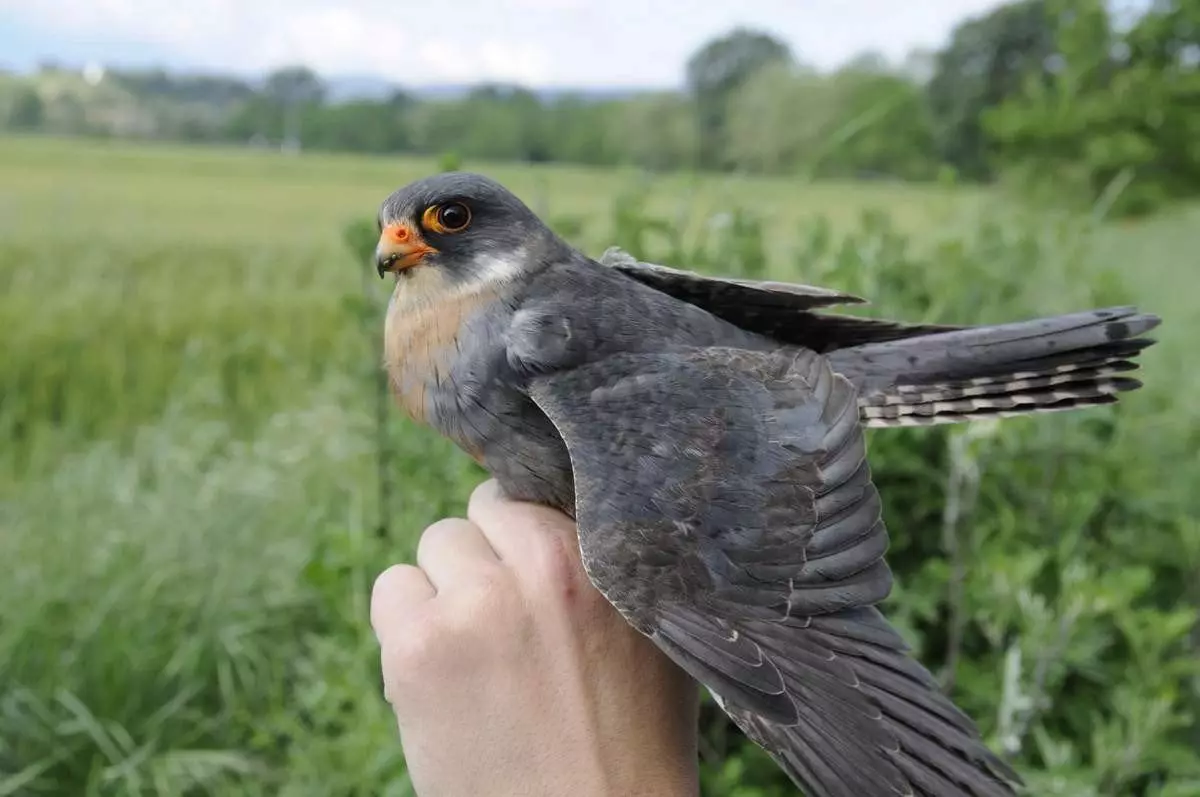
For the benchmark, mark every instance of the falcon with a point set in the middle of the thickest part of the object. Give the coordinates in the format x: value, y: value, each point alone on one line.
x: 706, y: 435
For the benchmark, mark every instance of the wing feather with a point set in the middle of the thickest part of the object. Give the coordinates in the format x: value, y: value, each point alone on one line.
x: 783, y: 311
x: 725, y: 506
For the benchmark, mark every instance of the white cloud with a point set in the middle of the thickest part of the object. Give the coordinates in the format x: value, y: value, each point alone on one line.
x: 565, y: 42
x: 395, y: 40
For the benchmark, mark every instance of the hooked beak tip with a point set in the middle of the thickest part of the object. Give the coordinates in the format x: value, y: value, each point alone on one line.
x: 383, y: 264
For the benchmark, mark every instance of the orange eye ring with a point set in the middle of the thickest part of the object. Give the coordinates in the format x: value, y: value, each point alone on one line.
x: 445, y: 219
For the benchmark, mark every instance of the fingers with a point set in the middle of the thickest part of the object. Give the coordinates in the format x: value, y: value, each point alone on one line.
x: 515, y: 528
x: 397, y: 591
x: 453, y: 551
x: 540, y: 545
x: 536, y: 542
x: 414, y: 610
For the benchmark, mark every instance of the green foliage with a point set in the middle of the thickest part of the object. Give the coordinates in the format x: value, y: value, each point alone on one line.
x: 27, y: 111
x: 492, y: 122
x: 731, y: 241
x: 862, y: 121
x: 719, y: 69
x: 885, y: 129
x: 197, y: 469
x: 449, y: 162
x: 778, y: 120
x: 987, y: 60
x: 1117, y: 124
x: 657, y: 132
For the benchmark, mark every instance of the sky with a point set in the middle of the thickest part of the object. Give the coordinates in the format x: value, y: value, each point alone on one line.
x: 542, y: 43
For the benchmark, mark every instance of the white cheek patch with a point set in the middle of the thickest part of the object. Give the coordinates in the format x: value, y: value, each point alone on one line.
x: 491, y: 269
x: 425, y: 286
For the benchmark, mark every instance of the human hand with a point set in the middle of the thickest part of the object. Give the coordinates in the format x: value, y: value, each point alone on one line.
x: 510, y: 674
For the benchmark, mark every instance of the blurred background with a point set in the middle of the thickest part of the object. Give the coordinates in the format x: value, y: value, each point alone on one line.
x: 200, y: 475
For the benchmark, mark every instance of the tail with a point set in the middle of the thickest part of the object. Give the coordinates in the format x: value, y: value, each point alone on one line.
x: 871, y: 719
x: 1059, y: 363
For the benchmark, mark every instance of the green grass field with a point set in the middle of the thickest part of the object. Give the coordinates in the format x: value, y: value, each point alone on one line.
x: 189, y: 496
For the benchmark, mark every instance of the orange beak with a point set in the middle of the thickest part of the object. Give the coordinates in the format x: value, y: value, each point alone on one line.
x: 400, y: 247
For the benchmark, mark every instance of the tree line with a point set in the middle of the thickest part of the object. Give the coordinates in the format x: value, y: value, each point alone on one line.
x: 1068, y: 94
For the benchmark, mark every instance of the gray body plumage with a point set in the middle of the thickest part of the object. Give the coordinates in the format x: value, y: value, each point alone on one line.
x: 716, y: 467
x: 482, y: 401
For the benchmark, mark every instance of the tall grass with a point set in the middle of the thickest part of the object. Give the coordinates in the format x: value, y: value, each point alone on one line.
x: 190, y: 494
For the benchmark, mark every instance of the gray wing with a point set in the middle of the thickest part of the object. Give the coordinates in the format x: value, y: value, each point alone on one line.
x: 778, y: 310
x: 924, y: 374
x: 726, y: 508
x: 724, y: 289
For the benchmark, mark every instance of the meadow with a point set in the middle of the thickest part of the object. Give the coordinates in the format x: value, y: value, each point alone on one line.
x: 198, y: 486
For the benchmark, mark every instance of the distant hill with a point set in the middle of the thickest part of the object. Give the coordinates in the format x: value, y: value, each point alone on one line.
x: 354, y: 111
x: 371, y: 87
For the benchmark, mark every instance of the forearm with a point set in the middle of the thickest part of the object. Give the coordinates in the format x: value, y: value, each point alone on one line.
x: 585, y: 724
x: 653, y: 753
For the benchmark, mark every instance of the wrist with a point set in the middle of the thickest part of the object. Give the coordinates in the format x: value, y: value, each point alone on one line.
x: 656, y: 756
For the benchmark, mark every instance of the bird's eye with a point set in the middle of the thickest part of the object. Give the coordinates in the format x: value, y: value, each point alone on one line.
x: 452, y: 217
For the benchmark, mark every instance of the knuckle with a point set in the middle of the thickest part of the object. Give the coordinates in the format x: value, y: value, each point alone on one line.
x: 437, y: 532
x: 485, y: 492
x: 393, y: 578
x: 392, y: 593
x: 385, y: 582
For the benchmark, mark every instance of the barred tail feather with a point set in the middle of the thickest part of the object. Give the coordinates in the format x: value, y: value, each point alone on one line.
x: 954, y: 403
x: 1061, y: 363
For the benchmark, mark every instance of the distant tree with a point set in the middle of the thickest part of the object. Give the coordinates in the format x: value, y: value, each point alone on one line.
x: 294, y: 85
x: 883, y: 127
x: 1117, y: 123
x: 27, y: 111
x: 657, y: 131
x: 356, y: 126
x: 290, y: 90
x: 579, y: 130
x: 1167, y: 37
x: 493, y: 121
x: 158, y: 84
x: 987, y: 61
x: 779, y: 119
x: 530, y: 121
x: 717, y: 70
x: 400, y: 100
x: 864, y: 120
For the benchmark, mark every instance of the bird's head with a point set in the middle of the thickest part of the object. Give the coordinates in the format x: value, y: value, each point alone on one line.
x: 457, y: 229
